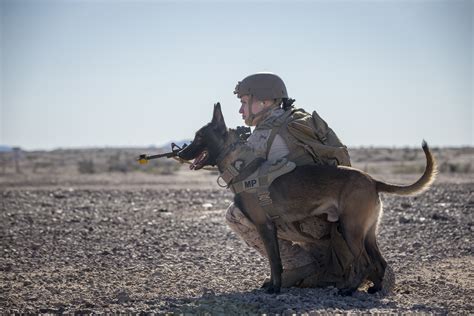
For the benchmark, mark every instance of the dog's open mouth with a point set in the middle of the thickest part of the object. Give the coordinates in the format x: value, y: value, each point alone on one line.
x: 199, y: 161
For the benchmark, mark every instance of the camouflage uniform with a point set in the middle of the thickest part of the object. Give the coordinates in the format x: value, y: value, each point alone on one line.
x: 308, y: 249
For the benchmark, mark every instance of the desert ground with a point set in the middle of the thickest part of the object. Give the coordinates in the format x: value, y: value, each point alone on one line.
x: 91, y: 231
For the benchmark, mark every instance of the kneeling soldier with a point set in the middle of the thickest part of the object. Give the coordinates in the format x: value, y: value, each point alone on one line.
x: 313, y: 251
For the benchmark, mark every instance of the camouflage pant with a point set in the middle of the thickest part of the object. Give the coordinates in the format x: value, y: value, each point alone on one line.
x: 313, y: 242
x: 301, y: 243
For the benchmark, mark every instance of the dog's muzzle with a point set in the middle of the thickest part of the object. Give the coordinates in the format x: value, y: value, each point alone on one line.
x: 199, y: 161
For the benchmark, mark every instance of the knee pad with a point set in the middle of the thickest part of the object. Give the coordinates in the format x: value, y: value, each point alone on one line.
x: 235, y: 217
x: 232, y: 213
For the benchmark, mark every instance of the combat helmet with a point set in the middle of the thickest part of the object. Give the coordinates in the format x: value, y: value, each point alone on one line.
x: 262, y: 86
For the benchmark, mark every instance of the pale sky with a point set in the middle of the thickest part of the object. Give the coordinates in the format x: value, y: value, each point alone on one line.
x: 140, y: 73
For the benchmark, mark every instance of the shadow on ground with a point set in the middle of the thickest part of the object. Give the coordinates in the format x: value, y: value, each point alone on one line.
x: 290, y: 301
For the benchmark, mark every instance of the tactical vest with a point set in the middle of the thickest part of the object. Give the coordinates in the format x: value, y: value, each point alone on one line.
x: 309, y: 140
x: 308, y: 137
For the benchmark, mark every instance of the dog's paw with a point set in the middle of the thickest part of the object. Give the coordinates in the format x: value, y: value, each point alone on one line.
x: 273, y: 290
x: 267, y: 284
x: 373, y: 289
x: 346, y: 292
x: 269, y: 287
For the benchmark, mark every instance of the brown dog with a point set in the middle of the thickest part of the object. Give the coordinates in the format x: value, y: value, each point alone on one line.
x: 343, y: 193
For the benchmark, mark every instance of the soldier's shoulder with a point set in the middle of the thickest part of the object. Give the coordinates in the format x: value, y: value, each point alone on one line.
x: 271, y: 120
x: 298, y: 113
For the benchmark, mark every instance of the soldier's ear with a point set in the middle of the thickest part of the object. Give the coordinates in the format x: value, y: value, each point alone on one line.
x: 218, y: 118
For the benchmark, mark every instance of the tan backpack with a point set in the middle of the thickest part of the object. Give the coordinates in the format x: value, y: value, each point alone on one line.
x: 309, y: 138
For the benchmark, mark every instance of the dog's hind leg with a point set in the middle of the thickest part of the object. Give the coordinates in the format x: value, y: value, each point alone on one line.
x: 378, y: 263
x: 358, y: 268
x: 354, y: 230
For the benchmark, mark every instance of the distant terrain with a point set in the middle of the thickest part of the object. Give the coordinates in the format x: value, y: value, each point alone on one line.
x: 119, y: 165
x: 92, y: 231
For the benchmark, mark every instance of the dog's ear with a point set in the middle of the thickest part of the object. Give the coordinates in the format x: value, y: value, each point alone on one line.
x: 218, y: 118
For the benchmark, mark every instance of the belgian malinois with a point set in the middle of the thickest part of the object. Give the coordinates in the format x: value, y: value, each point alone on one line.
x: 345, y: 194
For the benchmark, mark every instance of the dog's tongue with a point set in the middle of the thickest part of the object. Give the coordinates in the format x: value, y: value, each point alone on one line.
x: 198, y: 161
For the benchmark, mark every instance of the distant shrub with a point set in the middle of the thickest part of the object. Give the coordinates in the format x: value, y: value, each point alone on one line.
x: 410, y: 154
x: 166, y: 170
x: 115, y: 164
x: 119, y: 167
x: 159, y: 166
x: 86, y: 166
x: 371, y: 169
x: 453, y: 167
x: 408, y: 169
x: 37, y: 166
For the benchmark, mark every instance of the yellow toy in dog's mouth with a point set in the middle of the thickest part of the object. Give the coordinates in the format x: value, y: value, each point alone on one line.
x: 199, y: 161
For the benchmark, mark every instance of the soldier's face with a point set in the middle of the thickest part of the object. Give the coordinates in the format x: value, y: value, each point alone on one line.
x: 255, y: 106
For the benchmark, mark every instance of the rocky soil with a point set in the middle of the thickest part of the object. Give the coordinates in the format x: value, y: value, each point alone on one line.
x: 166, y: 248
x: 88, y: 231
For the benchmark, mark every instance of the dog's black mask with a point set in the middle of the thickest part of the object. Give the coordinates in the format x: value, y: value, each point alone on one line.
x: 207, y: 143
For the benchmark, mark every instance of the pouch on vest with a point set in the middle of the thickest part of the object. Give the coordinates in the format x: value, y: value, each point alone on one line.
x: 264, y: 176
x: 318, y: 139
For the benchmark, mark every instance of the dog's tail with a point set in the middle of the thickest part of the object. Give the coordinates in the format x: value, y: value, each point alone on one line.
x: 419, y: 186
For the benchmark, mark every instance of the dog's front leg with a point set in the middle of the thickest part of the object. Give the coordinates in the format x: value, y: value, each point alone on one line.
x: 268, y: 234
x: 250, y: 206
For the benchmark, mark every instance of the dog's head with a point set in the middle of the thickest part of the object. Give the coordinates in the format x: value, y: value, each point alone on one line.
x: 207, y: 143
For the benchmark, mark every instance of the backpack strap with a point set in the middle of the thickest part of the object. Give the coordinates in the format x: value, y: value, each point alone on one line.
x: 278, y: 125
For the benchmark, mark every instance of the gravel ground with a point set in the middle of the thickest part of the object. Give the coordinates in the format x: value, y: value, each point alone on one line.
x: 169, y: 250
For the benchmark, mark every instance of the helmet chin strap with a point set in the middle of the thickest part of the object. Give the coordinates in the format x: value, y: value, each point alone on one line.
x: 251, y: 118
